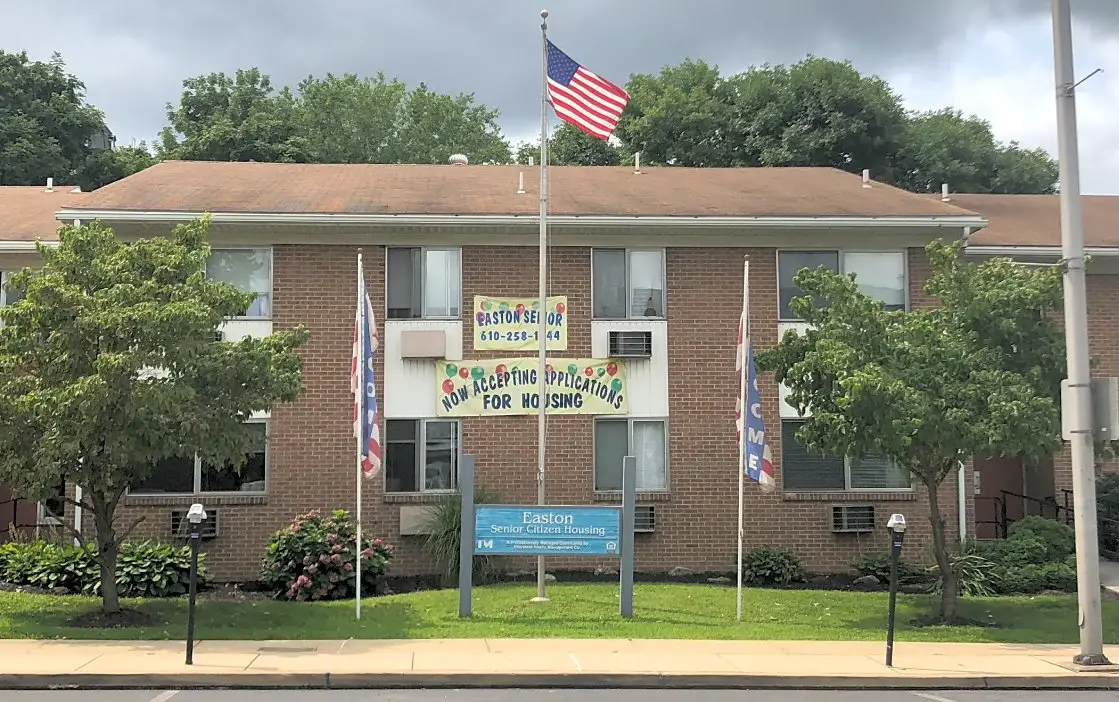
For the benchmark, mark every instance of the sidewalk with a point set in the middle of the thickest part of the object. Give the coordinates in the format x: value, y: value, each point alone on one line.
x: 542, y: 663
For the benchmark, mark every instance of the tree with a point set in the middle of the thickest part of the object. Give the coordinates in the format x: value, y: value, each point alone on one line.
x: 677, y: 117
x: 568, y: 146
x: 233, y: 119
x: 943, y: 146
x: 45, y: 123
x: 105, y: 166
x: 979, y: 375
x: 108, y: 365
x: 335, y: 119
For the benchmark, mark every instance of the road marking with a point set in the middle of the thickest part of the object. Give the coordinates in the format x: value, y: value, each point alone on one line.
x: 164, y: 696
x: 576, y: 662
x: 926, y: 695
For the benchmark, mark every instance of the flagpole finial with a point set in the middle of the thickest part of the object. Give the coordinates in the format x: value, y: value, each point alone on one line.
x: 544, y: 16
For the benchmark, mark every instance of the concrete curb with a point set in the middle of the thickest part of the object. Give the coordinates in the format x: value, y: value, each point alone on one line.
x: 633, y: 681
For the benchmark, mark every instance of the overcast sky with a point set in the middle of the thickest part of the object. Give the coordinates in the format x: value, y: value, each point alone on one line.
x: 989, y: 57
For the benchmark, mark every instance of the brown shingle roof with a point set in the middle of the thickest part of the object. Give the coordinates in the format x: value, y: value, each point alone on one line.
x: 27, y: 212
x: 184, y: 186
x: 1035, y: 220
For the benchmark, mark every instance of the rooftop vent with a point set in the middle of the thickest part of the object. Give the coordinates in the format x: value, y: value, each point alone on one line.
x: 50, y: 185
x: 458, y: 160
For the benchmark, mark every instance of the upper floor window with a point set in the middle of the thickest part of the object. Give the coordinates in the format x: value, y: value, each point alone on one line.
x: 421, y: 455
x: 9, y: 295
x: 249, y: 270
x: 190, y: 475
x: 810, y: 471
x: 879, y: 274
x: 628, y: 284
x: 424, y: 283
x: 644, y: 439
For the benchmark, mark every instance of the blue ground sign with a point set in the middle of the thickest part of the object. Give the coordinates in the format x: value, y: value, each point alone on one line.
x: 504, y: 530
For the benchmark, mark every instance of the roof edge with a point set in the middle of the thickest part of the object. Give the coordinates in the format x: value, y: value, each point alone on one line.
x: 1037, y: 251
x: 973, y: 221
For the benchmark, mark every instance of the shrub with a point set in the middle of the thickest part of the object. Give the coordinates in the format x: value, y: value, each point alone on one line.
x: 1034, y: 578
x: 976, y: 575
x: 1059, y: 539
x: 313, y: 558
x: 878, y: 565
x: 771, y: 565
x: 444, y: 527
x: 146, y: 569
x: 1021, y: 550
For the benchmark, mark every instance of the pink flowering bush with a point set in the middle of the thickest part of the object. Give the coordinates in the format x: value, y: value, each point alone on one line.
x: 314, y: 558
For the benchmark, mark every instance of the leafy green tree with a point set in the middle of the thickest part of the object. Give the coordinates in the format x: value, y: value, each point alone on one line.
x: 108, y: 364
x: 944, y: 146
x: 568, y: 146
x: 349, y: 119
x: 978, y: 375
x: 45, y: 123
x: 242, y: 118
x: 105, y: 166
x: 433, y: 126
x: 678, y: 116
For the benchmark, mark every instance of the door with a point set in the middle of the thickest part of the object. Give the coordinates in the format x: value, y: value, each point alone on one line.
x: 993, y: 478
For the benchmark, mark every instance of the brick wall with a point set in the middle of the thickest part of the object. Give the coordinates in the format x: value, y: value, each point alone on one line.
x: 312, y: 450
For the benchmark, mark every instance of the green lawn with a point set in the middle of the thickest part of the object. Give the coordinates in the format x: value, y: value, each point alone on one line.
x: 576, y: 611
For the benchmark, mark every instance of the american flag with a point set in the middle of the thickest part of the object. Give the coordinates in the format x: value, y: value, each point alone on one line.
x: 756, y: 454
x: 366, y: 430
x: 581, y: 98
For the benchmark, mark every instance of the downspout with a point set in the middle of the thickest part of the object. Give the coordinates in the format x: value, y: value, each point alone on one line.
x: 77, y: 488
x: 961, y: 507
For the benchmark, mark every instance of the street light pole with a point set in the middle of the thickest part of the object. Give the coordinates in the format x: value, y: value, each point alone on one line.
x: 1077, y: 399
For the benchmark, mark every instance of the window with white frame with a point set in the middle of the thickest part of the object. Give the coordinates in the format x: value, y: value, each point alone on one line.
x: 52, y: 509
x: 421, y: 455
x: 9, y: 295
x: 189, y: 475
x: 878, y: 274
x: 424, y: 283
x: 644, y: 439
x: 250, y: 270
x: 628, y: 283
x: 803, y: 470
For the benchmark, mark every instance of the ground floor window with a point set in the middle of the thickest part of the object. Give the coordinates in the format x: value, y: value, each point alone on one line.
x: 52, y: 509
x: 644, y: 439
x: 421, y: 455
x: 805, y: 470
x: 188, y: 475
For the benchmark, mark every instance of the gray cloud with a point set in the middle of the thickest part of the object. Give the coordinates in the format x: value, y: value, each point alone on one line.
x: 133, y: 54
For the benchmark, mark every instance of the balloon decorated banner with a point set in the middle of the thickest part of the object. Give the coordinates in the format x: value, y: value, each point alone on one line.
x: 509, y: 387
x: 513, y: 323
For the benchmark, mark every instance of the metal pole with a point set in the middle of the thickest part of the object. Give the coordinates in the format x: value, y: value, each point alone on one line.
x: 359, y: 423
x: 1077, y: 402
x: 195, y: 537
x: 542, y: 384
x: 744, y: 406
x: 895, y: 553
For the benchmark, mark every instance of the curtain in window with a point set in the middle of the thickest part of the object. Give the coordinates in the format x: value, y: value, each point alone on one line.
x: 646, y: 284
x: 248, y: 269
x: 649, y: 450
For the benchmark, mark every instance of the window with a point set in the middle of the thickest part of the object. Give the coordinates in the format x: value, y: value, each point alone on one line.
x: 52, y: 509
x: 424, y: 283
x: 248, y: 269
x: 9, y: 295
x: 879, y: 274
x: 189, y: 475
x: 809, y: 471
x: 421, y: 455
x: 644, y: 439
x: 627, y: 284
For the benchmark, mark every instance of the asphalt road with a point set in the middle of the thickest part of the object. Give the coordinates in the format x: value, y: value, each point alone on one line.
x: 549, y: 696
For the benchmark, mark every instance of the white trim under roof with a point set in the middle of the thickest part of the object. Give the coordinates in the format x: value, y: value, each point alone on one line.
x: 829, y: 222
x: 22, y: 246
x: 1037, y: 251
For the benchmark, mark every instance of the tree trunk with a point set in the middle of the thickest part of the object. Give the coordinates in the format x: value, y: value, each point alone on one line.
x: 106, y: 553
x: 950, y: 588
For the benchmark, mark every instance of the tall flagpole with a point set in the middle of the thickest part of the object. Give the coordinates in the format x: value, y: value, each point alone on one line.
x: 1077, y: 410
x: 542, y: 385
x: 359, y: 422
x: 744, y: 406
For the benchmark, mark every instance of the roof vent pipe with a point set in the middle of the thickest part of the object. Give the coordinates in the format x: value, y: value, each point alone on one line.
x: 521, y: 183
x: 944, y: 192
x: 50, y: 185
x: 866, y: 177
x: 637, y: 163
x: 530, y: 161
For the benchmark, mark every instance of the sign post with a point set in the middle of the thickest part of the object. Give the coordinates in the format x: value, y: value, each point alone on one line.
x: 535, y: 530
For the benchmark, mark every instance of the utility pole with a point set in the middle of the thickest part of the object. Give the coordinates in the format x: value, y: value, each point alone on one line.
x: 1077, y: 398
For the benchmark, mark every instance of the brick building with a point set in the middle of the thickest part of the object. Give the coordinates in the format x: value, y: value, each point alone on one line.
x: 650, y: 265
